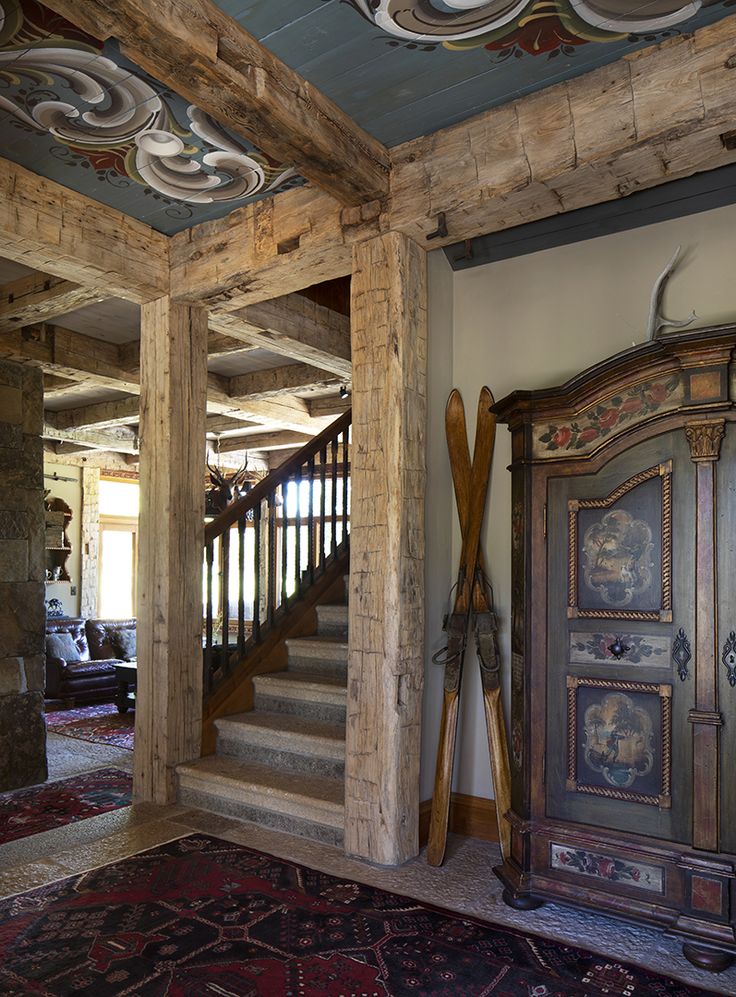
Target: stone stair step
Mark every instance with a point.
(332, 620)
(310, 805)
(307, 694)
(284, 741)
(326, 655)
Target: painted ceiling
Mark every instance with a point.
(80, 113)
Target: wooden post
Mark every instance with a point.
(168, 723)
(386, 665)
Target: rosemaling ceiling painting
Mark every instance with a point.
(77, 111)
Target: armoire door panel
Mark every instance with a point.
(620, 569)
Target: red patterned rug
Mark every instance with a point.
(100, 723)
(40, 808)
(201, 916)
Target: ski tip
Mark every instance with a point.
(486, 397)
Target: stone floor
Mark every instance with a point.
(464, 883)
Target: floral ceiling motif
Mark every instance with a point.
(105, 114)
(534, 27)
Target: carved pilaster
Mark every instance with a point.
(704, 438)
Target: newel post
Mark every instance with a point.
(386, 657)
(168, 720)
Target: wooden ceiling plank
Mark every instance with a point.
(41, 297)
(209, 59)
(51, 228)
(295, 327)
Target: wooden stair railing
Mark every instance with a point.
(286, 531)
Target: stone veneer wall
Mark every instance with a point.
(90, 541)
(22, 563)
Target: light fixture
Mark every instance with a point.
(344, 391)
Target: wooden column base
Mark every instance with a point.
(524, 901)
(713, 960)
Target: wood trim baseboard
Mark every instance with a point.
(473, 816)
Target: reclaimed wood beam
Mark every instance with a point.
(48, 227)
(331, 407)
(275, 382)
(269, 248)
(101, 415)
(210, 59)
(294, 327)
(117, 441)
(41, 297)
(104, 459)
(217, 346)
(656, 115)
(283, 440)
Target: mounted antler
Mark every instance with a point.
(224, 489)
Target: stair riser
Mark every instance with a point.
(332, 621)
(301, 708)
(318, 666)
(284, 761)
(266, 818)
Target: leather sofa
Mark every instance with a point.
(93, 676)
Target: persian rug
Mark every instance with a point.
(100, 723)
(40, 808)
(202, 916)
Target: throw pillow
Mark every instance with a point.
(61, 645)
(124, 641)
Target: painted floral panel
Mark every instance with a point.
(592, 648)
(607, 867)
(609, 417)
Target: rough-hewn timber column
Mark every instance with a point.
(168, 723)
(389, 340)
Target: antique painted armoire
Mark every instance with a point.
(623, 719)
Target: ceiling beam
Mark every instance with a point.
(269, 248)
(264, 441)
(294, 327)
(278, 381)
(41, 297)
(656, 115)
(100, 415)
(217, 346)
(54, 453)
(332, 406)
(210, 59)
(48, 227)
(117, 441)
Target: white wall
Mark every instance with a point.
(532, 322)
(71, 493)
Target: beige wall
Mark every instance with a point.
(532, 322)
(71, 493)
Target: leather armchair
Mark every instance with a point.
(93, 676)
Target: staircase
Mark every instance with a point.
(282, 764)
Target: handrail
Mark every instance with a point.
(259, 492)
(265, 550)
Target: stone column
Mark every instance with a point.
(22, 564)
(168, 721)
(90, 542)
(386, 658)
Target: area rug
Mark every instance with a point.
(100, 723)
(202, 916)
(40, 808)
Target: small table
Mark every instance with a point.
(126, 675)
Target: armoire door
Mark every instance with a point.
(621, 569)
(725, 470)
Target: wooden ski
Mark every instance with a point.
(486, 631)
(473, 489)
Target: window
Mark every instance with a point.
(118, 565)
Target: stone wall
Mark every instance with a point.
(22, 562)
(90, 541)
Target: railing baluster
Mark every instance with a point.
(225, 599)
(256, 632)
(298, 535)
(345, 471)
(284, 541)
(333, 539)
(271, 607)
(310, 522)
(322, 505)
(209, 563)
(241, 584)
